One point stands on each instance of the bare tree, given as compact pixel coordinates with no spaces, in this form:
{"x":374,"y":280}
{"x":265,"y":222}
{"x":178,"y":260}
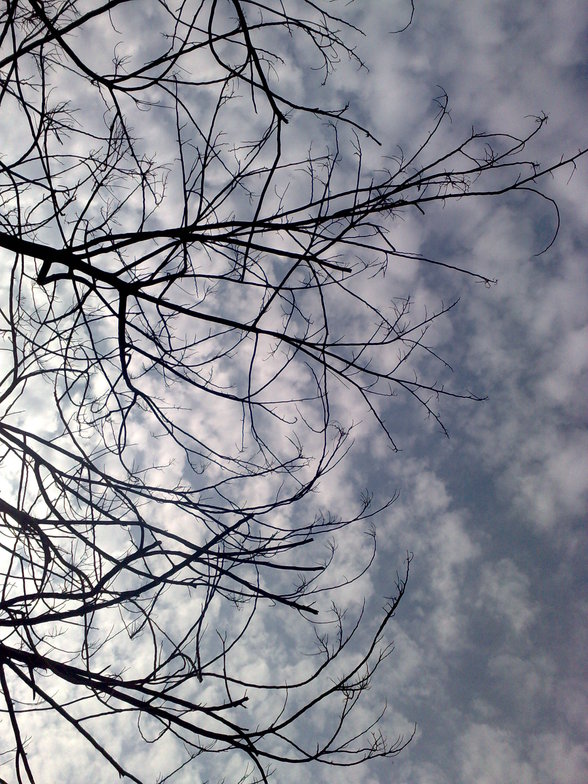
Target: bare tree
{"x":191,"y":294}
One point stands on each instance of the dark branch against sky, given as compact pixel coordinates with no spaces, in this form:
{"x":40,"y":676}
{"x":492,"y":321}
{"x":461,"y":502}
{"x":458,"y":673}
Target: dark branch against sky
{"x":242,"y":246}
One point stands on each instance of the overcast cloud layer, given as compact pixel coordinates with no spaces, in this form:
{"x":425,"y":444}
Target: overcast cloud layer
{"x":490,"y":652}
{"x":490,"y":638}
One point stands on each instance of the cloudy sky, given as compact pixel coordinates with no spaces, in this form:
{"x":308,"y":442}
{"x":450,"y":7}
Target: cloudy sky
{"x":490,"y":637}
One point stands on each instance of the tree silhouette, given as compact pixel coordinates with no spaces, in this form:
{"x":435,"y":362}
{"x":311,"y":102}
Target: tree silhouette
{"x":190,"y":303}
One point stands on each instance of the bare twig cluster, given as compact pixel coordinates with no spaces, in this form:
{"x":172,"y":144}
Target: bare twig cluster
{"x":186,"y":297}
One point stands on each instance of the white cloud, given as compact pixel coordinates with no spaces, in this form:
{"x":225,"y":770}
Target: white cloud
{"x":489,"y":755}
{"x":504,"y":592}
{"x":558,"y":759}
{"x":523,"y":342}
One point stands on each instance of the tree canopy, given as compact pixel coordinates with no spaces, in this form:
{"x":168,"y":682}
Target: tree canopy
{"x":195,"y":316}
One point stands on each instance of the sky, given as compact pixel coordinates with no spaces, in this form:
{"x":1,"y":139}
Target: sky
{"x":490,"y":636}
{"x":491,"y":640}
